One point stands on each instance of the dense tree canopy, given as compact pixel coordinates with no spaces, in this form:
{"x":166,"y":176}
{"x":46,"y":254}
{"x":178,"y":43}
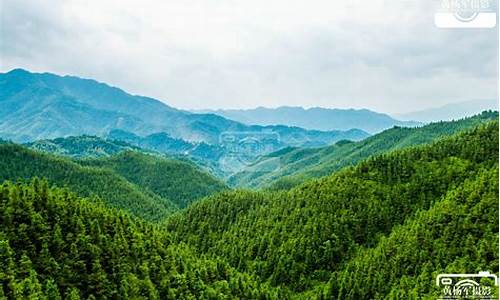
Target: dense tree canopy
{"x":176,"y":180}
{"x":301,"y":238}
{"x":380,"y":229}
{"x":54,"y":245}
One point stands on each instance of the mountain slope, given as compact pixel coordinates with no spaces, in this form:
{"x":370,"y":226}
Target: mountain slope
{"x":182,"y":182}
{"x":17,"y":162}
{"x":289,"y":167}
{"x":54,"y":245}
{"x":468,"y":211}
{"x":303,"y":237}
{"x":314,"y":118}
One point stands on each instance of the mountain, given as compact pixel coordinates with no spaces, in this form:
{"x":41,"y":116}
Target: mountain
{"x":54,"y":245}
{"x":379,"y":230}
{"x":37,"y":106}
{"x":452,"y":111}
{"x":315,"y":118}
{"x":146,"y":186}
{"x":291,"y":166}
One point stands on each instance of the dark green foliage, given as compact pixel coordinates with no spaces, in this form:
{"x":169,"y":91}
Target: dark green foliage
{"x":17,"y":162}
{"x":310,"y":235}
{"x":315,"y":118}
{"x":54,"y":245}
{"x":298,"y":165}
{"x":182,"y":182}
{"x":147,"y":186}
{"x":459,"y":234}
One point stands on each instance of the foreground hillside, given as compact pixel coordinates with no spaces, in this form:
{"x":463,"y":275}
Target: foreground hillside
{"x":289,"y":167}
{"x":146,"y":186}
{"x":459,"y":234}
{"x":330,"y":237}
{"x":54,"y":245}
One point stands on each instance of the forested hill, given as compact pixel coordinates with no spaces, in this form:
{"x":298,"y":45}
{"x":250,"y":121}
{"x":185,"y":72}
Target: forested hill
{"x":182,"y":182}
{"x":379,"y":230}
{"x":287,"y":168}
{"x":315,"y":118}
{"x":54,"y":245}
{"x":17,"y":162}
{"x":153,"y":188}
{"x":84,"y":146}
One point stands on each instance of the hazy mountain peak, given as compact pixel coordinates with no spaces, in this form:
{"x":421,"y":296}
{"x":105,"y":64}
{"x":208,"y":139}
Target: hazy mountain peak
{"x":315,"y":118}
{"x":452,"y":111}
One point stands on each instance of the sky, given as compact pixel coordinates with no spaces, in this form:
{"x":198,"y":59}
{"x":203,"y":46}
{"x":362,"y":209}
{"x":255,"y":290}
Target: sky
{"x":385,"y":55}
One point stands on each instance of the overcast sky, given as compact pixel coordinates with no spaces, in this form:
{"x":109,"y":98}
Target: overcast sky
{"x":384,"y":55}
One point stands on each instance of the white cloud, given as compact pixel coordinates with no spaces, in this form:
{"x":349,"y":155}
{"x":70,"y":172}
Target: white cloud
{"x":380,"y":54}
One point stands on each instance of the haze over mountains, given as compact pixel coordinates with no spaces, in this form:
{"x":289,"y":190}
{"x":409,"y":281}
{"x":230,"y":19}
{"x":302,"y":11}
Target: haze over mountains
{"x":342,"y":119}
{"x":35,"y":106}
{"x":452,"y":111}
{"x":314,"y":118}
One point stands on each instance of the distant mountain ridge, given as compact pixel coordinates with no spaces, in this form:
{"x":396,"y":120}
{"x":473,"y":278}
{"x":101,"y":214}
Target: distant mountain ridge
{"x":315,"y":118}
{"x":452,"y":111}
{"x":40,"y":106}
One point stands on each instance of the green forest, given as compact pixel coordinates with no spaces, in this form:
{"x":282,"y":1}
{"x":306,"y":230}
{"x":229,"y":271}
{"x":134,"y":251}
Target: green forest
{"x":296,"y":165}
{"x":374,"y":219}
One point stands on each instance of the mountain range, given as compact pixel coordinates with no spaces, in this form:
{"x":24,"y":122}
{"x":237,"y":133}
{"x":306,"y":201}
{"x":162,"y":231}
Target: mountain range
{"x":41,"y":106}
{"x":291,"y":166}
{"x":145,"y":185}
{"x":44,"y":105}
{"x":315,"y":118}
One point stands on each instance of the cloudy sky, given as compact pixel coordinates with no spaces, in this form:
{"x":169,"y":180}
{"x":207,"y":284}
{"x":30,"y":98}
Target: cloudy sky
{"x":384,"y":55}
